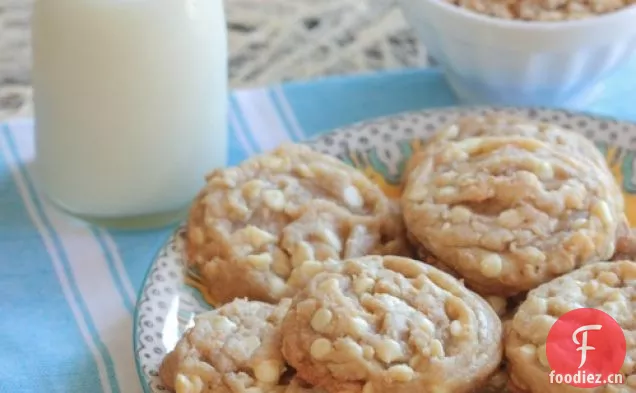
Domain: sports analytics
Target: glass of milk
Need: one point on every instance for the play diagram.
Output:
(130, 105)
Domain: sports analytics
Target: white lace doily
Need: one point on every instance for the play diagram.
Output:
(270, 41)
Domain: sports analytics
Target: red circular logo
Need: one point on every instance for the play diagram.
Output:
(585, 349)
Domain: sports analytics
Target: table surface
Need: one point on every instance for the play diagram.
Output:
(270, 41)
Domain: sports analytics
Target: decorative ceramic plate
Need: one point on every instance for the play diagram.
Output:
(170, 296)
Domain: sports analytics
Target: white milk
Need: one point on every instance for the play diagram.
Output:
(130, 103)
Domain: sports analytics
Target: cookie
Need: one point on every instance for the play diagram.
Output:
(499, 304)
(509, 213)
(391, 324)
(607, 286)
(494, 125)
(506, 125)
(503, 307)
(233, 349)
(254, 224)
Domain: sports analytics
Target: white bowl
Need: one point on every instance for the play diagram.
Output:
(488, 60)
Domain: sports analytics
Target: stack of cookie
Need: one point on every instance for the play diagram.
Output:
(369, 324)
(318, 289)
(253, 225)
(509, 206)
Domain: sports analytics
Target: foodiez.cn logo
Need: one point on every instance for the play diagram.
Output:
(586, 348)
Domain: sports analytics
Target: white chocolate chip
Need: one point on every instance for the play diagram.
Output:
(446, 178)
(451, 132)
(510, 219)
(222, 324)
(237, 207)
(258, 237)
(311, 268)
(321, 319)
(250, 344)
(426, 325)
(245, 379)
(545, 171)
(221, 182)
(253, 188)
(469, 144)
(274, 199)
(320, 348)
(453, 307)
(304, 171)
(273, 162)
(437, 349)
(609, 278)
(400, 373)
(185, 384)
(602, 211)
(302, 252)
(277, 288)
(280, 264)
(528, 351)
(573, 200)
(292, 209)
(528, 177)
(268, 371)
(368, 388)
(389, 350)
(455, 153)
(329, 237)
(491, 266)
(329, 286)
(358, 327)
(590, 288)
(418, 195)
(533, 255)
(447, 191)
(616, 296)
(352, 197)
(460, 215)
(456, 328)
(368, 352)
(616, 308)
(351, 348)
(558, 306)
(537, 305)
(363, 285)
(260, 261)
(579, 223)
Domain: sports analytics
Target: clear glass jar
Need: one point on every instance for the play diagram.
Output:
(130, 105)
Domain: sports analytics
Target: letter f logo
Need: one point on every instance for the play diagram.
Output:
(583, 343)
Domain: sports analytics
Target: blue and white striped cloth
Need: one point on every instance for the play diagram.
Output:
(67, 291)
